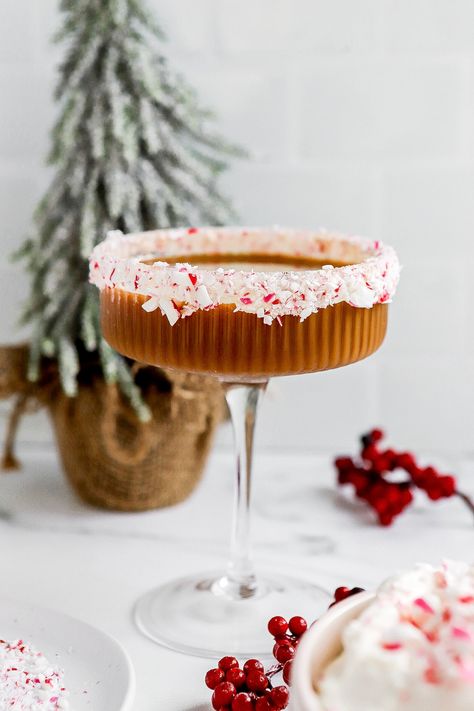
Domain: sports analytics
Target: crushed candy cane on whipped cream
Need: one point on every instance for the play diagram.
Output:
(28, 681)
(412, 649)
(369, 277)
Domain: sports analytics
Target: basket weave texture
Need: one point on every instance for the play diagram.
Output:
(111, 459)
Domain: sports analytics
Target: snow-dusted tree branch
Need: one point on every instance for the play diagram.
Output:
(132, 150)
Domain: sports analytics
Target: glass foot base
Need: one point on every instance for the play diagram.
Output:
(194, 615)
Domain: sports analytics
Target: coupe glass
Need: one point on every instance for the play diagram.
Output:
(243, 305)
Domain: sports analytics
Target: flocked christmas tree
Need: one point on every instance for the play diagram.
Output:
(132, 150)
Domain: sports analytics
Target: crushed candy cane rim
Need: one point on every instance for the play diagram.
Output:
(179, 290)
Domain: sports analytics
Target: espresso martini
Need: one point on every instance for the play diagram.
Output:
(243, 305)
(238, 345)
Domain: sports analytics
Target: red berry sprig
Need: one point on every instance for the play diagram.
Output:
(286, 636)
(343, 593)
(250, 688)
(246, 689)
(390, 498)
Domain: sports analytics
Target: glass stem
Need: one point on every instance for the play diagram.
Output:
(243, 400)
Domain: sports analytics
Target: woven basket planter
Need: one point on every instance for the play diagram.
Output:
(110, 458)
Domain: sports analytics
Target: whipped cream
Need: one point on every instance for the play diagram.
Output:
(179, 290)
(412, 649)
(28, 681)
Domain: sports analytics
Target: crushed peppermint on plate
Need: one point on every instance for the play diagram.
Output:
(28, 681)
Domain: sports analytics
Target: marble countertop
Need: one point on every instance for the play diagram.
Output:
(94, 565)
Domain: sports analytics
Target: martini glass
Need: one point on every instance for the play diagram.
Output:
(243, 305)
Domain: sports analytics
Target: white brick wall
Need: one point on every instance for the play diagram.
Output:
(359, 116)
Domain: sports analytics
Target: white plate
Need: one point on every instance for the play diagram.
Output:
(97, 671)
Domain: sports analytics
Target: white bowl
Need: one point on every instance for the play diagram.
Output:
(319, 646)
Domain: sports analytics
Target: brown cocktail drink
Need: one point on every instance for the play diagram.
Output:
(243, 305)
(240, 345)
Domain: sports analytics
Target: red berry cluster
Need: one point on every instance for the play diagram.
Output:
(287, 636)
(246, 689)
(386, 497)
(342, 593)
(251, 688)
